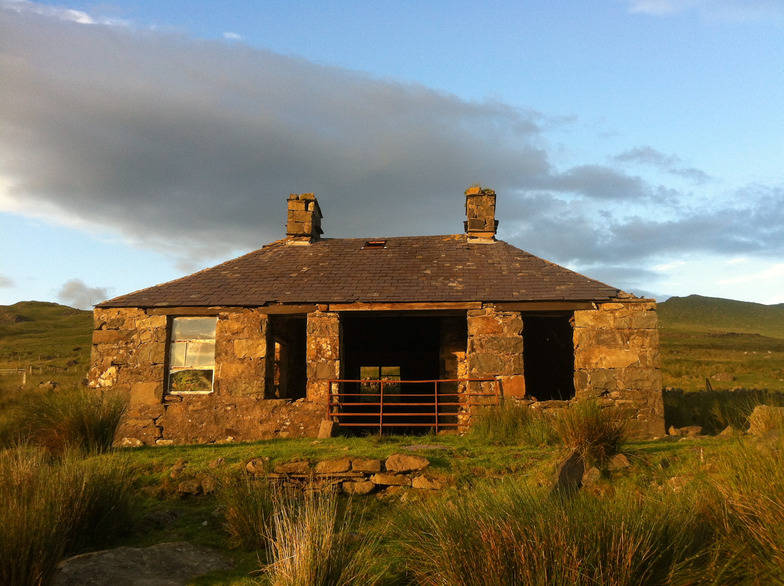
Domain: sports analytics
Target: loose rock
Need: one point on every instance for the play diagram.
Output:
(406, 463)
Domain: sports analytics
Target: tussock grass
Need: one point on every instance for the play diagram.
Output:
(51, 507)
(313, 545)
(749, 494)
(247, 507)
(510, 424)
(596, 433)
(508, 534)
(73, 418)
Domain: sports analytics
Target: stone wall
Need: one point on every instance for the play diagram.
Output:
(495, 350)
(129, 356)
(323, 354)
(616, 360)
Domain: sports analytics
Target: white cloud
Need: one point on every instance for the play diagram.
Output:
(773, 272)
(663, 268)
(232, 36)
(724, 10)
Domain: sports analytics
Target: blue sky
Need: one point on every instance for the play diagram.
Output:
(639, 142)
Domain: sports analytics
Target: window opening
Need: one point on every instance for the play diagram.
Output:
(192, 355)
(375, 244)
(371, 391)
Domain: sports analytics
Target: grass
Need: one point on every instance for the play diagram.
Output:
(312, 545)
(596, 433)
(51, 507)
(510, 533)
(75, 418)
(248, 509)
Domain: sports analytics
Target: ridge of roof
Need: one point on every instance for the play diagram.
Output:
(440, 268)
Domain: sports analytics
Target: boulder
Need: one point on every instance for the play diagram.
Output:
(426, 483)
(257, 466)
(568, 474)
(617, 462)
(165, 564)
(189, 487)
(403, 463)
(327, 429)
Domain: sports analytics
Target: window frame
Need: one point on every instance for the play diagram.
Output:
(198, 362)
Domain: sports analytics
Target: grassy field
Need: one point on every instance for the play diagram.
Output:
(732, 344)
(706, 510)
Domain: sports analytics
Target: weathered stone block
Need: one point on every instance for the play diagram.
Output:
(300, 467)
(146, 393)
(366, 465)
(513, 386)
(390, 479)
(333, 466)
(406, 463)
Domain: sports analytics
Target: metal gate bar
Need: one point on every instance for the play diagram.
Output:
(346, 407)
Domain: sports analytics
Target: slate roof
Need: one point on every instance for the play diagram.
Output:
(341, 270)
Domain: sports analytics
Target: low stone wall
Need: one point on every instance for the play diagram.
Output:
(351, 475)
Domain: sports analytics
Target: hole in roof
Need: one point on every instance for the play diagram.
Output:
(375, 244)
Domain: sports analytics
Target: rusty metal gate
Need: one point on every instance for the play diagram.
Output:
(382, 404)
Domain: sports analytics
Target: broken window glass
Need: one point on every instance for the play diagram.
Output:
(192, 354)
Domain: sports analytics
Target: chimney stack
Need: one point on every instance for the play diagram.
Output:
(303, 225)
(480, 224)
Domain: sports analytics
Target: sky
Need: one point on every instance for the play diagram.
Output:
(639, 142)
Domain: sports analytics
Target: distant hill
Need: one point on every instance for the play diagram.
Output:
(730, 343)
(38, 333)
(710, 314)
(733, 343)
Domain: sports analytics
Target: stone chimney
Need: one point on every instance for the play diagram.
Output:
(480, 224)
(303, 224)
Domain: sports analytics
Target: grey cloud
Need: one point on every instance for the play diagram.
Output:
(191, 147)
(5, 282)
(195, 145)
(599, 182)
(649, 156)
(77, 294)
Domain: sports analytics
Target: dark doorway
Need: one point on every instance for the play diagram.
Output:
(548, 355)
(391, 349)
(287, 375)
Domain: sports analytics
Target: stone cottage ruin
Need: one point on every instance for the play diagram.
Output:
(404, 334)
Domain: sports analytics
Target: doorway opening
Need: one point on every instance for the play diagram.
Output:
(391, 349)
(548, 356)
(287, 373)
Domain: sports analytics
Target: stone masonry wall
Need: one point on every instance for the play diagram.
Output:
(495, 349)
(129, 356)
(323, 354)
(616, 360)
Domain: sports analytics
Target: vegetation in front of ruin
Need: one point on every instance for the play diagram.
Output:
(704, 510)
(699, 510)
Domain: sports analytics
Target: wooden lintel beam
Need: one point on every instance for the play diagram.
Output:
(287, 309)
(191, 310)
(447, 306)
(545, 306)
